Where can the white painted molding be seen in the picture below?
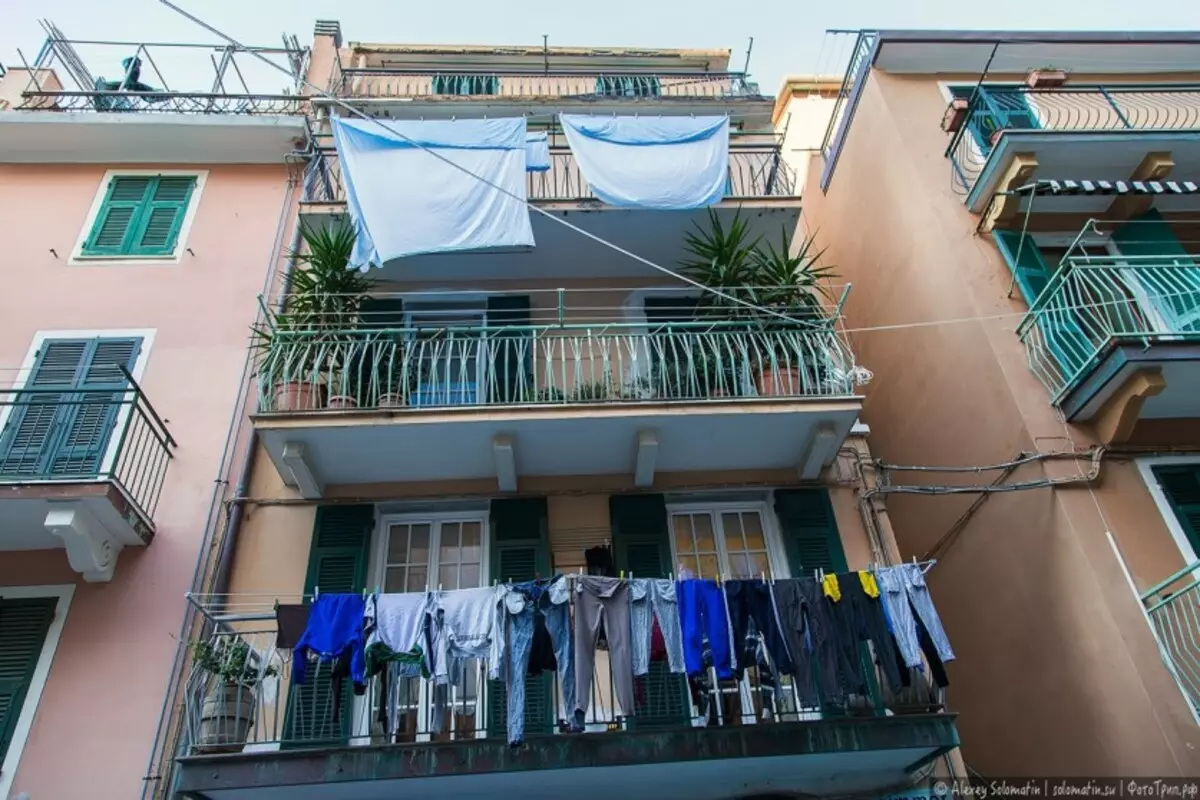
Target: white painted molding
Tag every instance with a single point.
(647, 457)
(504, 451)
(303, 478)
(91, 551)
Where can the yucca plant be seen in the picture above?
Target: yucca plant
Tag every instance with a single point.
(722, 258)
(790, 285)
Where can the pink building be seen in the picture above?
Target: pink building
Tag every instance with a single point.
(137, 237)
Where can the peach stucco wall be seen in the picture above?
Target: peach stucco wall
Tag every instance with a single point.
(1057, 670)
(100, 708)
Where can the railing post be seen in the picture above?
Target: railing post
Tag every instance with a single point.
(1120, 115)
(562, 306)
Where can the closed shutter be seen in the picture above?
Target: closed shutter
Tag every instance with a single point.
(140, 215)
(520, 551)
(1181, 485)
(809, 531)
(642, 544)
(62, 427)
(510, 352)
(337, 564)
(24, 624)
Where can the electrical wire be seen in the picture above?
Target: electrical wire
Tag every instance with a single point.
(513, 195)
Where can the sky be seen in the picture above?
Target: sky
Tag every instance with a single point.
(789, 36)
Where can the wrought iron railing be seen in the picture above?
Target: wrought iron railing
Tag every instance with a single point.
(755, 170)
(1173, 607)
(86, 434)
(858, 67)
(996, 109)
(265, 711)
(382, 82)
(1093, 302)
(162, 102)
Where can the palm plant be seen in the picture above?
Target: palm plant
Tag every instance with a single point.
(790, 285)
(721, 258)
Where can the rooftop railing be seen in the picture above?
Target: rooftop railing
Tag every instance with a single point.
(89, 433)
(1093, 302)
(369, 82)
(1126, 107)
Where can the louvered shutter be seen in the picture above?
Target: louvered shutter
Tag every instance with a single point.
(162, 216)
(642, 548)
(119, 216)
(511, 352)
(337, 564)
(1181, 485)
(809, 531)
(520, 551)
(24, 624)
(89, 419)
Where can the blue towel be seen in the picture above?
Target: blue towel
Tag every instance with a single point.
(335, 626)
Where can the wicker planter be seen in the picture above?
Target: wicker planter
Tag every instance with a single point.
(298, 396)
(779, 382)
(226, 718)
(956, 115)
(1045, 78)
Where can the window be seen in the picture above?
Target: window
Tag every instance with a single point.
(466, 84)
(996, 108)
(449, 364)
(24, 624)
(728, 541)
(139, 216)
(1181, 485)
(628, 86)
(64, 414)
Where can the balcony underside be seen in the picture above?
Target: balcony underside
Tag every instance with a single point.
(750, 109)
(1178, 363)
(657, 236)
(24, 506)
(640, 438)
(817, 758)
(1088, 155)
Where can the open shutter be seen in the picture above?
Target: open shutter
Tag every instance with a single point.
(120, 216)
(642, 547)
(24, 624)
(809, 532)
(1174, 288)
(337, 564)
(162, 217)
(520, 551)
(1181, 485)
(88, 421)
(510, 352)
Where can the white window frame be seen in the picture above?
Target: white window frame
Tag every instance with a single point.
(377, 568)
(79, 259)
(776, 555)
(1145, 468)
(139, 367)
(41, 673)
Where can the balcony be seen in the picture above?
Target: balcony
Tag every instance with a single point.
(1103, 321)
(704, 739)
(503, 402)
(1103, 132)
(81, 470)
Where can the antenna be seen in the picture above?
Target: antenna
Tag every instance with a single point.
(546, 52)
(749, 50)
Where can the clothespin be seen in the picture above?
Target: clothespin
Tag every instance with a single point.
(671, 576)
(316, 593)
(439, 587)
(763, 576)
(622, 571)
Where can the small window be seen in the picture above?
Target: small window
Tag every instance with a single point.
(466, 84)
(142, 215)
(628, 86)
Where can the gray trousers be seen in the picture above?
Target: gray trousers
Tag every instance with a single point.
(602, 599)
(654, 598)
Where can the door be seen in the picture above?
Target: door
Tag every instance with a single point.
(448, 356)
(1164, 276)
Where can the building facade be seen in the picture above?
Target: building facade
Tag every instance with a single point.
(137, 237)
(484, 417)
(1017, 214)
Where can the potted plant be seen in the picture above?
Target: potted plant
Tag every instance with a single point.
(1047, 77)
(956, 114)
(230, 699)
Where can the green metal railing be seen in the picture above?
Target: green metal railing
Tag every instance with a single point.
(1174, 610)
(1094, 302)
(566, 364)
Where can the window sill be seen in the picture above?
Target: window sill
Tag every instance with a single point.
(165, 260)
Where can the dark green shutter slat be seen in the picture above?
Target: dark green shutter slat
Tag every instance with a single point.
(140, 216)
(520, 551)
(24, 624)
(809, 531)
(26, 439)
(512, 353)
(1181, 485)
(337, 564)
(119, 215)
(641, 538)
(162, 216)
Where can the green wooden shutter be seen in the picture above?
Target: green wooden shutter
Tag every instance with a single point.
(512, 353)
(642, 547)
(809, 531)
(162, 216)
(1181, 485)
(24, 624)
(1174, 290)
(58, 430)
(337, 564)
(520, 551)
(113, 232)
(378, 367)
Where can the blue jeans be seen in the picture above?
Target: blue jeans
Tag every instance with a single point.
(902, 589)
(535, 600)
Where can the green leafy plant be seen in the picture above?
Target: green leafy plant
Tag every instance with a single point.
(596, 391)
(721, 257)
(230, 661)
(787, 284)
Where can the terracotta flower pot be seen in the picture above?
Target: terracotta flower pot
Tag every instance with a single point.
(392, 400)
(956, 115)
(1045, 78)
(779, 382)
(297, 396)
(342, 401)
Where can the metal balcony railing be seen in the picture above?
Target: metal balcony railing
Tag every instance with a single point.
(1129, 107)
(1173, 607)
(266, 712)
(1095, 301)
(370, 82)
(755, 171)
(86, 434)
(162, 102)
